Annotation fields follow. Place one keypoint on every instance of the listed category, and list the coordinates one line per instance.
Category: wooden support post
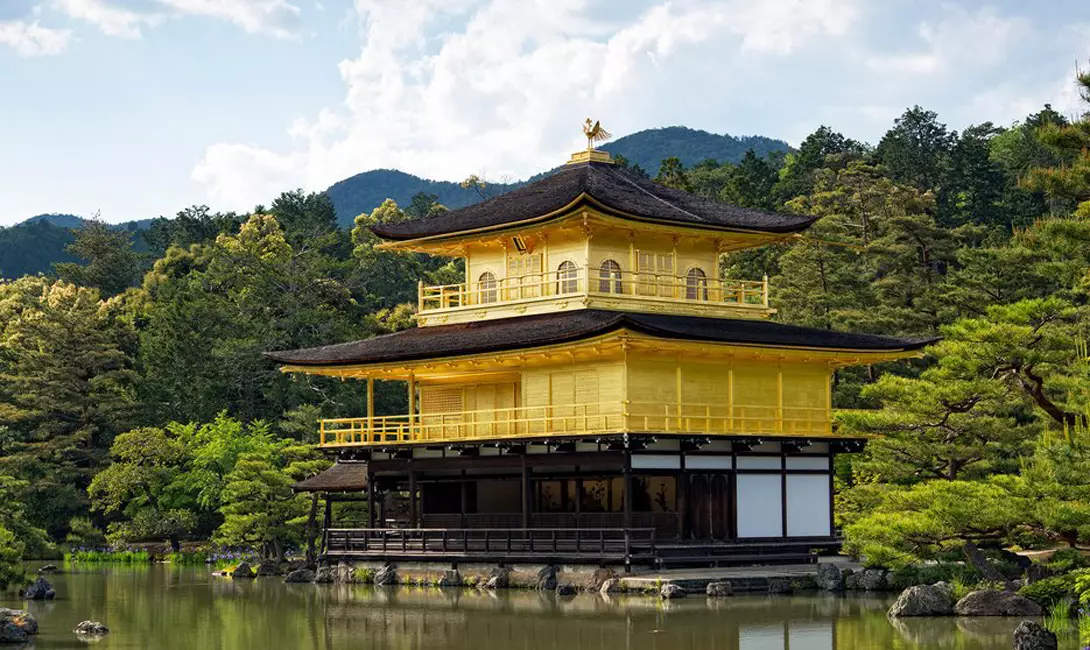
(527, 500)
(371, 406)
(578, 501)
(413, 510)
(370, 500)
(412, 405)
(327, 523)
(465, 499)
(311, 533)
(627, 489)
(682, 500)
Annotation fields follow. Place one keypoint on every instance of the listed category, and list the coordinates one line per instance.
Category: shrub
(929, 574)
(1066, 560)
(1049, 591)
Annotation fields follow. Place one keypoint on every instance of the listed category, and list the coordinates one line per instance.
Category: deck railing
(591, 542)
(587, 281)
(578, 419)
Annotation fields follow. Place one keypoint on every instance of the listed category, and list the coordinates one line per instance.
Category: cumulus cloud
(125, 18)
(503, 91)
(30, 39)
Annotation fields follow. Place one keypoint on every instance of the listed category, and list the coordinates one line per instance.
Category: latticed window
(486, 287)
(567, 278)
(696, 284)
(609, 277)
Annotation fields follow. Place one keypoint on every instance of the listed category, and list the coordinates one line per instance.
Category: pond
(168, 608)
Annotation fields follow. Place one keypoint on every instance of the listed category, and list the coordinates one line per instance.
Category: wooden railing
(587, 281)
(597, 542)
(577, 419)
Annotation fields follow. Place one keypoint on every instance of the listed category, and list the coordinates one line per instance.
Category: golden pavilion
(593, 391)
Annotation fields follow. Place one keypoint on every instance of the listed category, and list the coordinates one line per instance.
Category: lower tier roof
(525, 332)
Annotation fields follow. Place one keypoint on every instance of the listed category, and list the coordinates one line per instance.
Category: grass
(1058, 619)
(961, 588)
(108, 556)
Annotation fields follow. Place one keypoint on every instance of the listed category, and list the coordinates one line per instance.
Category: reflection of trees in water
(172, 609)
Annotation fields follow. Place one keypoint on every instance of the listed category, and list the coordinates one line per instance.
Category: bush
(83, 533)
(1067, 560)
(929, 574)
(1049, 591)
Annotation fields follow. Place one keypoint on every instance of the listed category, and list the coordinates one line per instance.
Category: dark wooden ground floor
(646, 501)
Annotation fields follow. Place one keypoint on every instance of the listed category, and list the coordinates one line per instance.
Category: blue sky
(138, 108)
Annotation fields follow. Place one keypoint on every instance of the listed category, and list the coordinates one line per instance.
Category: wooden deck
(604, 546)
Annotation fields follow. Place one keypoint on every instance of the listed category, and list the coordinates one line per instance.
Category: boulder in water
(47, 568)
(565, 590)
(268, 568)
(992, 602)
(1031, 636)
(610, 586)
(91, 628)
(300, 575)
(719, 590)
(324, 575)
(16, 625)
(924, 600)
(498, 578)
(452, 578)
(546, 578)
(670, 591)
(40, 589)
(243, 570)
(829, 577)
(387, 575)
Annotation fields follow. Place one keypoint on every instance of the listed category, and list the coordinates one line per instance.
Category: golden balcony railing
(576, 282)
(577, 419)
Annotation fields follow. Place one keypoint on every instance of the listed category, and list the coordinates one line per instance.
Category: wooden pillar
(370, 500)
(578, 499)
(327, 520)
(413, 510)
(371, 404)
(311, 533)
(682, 500)
(627, 488)
(465, 499)
(412, 403)
(527, 499)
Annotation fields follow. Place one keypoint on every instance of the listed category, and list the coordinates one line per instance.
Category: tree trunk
(976, 558)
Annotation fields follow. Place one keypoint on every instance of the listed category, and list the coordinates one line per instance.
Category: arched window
(609, 277)
(696, 284)
(486, 287)
(567, 278)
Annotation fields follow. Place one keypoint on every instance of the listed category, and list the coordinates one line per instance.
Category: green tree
(916, 149)
(750, 183)
(672, 174)
(66, 388)
(111, 264)
(798, 174)
(194, 225)
(142, 485)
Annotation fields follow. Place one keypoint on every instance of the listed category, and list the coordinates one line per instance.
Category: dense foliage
(136, 402)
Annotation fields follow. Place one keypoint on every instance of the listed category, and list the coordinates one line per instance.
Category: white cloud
(278, 18)
(505, 93)
(110, 20)
(959, 39)
(31, 39)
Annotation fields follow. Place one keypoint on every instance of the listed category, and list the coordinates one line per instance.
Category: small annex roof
(609, 188)
(342, 476)
(549, 329)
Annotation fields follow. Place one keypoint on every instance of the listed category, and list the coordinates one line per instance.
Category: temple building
(593, 391)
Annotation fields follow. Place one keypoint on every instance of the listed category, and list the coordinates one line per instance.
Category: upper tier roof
(547, 329)
(609, 188)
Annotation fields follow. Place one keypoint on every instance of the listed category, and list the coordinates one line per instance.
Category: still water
(163, 607)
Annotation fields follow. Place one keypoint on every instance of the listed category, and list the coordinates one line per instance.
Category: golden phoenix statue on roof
(595, 132)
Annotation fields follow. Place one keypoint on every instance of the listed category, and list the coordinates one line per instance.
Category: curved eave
(837, 356)
(582, 200)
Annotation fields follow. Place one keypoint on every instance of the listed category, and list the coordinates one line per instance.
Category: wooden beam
(413, 510)
(527, 501)
(370, 403)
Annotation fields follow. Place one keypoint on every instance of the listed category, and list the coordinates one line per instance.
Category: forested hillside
(170, 424)
(690, 146)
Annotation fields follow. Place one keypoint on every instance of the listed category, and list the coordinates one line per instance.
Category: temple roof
(608, 188)
(563, 327)
(342, 476)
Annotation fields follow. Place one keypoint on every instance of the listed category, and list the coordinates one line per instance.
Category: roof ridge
(654, 196)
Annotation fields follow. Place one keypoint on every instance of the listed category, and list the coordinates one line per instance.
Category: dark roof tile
(629, 194)
(342, 476)
(547, 329)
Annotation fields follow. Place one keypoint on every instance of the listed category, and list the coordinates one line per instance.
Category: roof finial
(595, 133)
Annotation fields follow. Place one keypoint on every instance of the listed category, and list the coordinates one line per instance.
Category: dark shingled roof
(613, 188)
(545, 329)
(341, 477)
